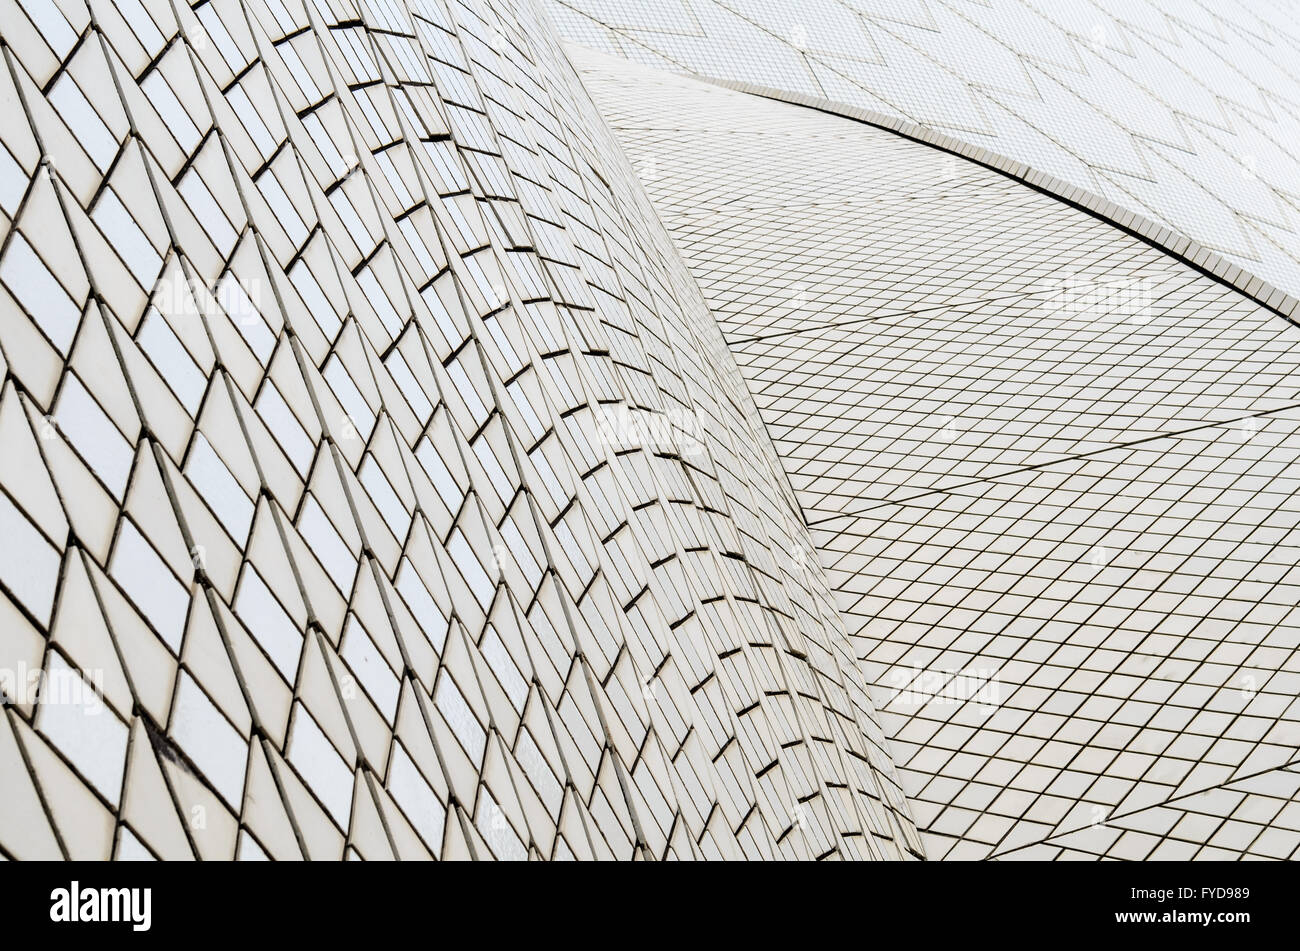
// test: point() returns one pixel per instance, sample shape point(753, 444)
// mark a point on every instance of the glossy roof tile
point(1048, 468)
point(376, 482)
point(1183, 113)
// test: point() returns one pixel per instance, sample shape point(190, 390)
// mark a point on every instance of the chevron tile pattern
point(375, 482)
point(420, 439)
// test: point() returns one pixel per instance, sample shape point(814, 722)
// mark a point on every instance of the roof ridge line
point(1179, 246)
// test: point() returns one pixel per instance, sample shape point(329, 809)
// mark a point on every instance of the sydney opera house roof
point(551, 429)
point(1182, 114)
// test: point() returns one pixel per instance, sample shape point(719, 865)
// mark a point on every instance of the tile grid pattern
point(379, 483)
point(1050, 470)
point(1174, 120)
